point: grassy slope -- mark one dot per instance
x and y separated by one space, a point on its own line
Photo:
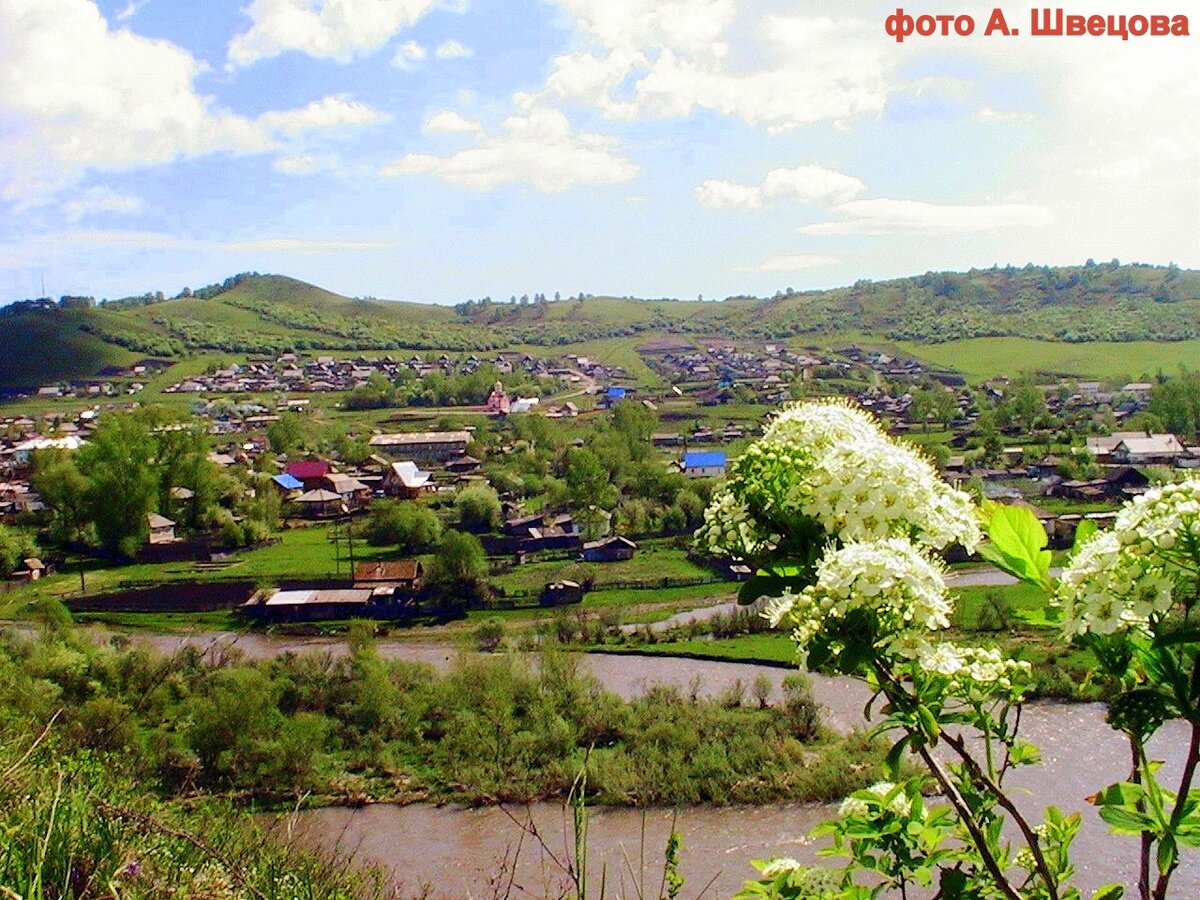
45 348
982 358
276 311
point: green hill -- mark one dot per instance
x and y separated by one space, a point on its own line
941 315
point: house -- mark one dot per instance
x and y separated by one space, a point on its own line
433 446
402 576
609 549
405 480
1118 483
463 465
310 472
312 606
704 464
352 491
561 593
162 529
288 484
1160 449
30 570
320 503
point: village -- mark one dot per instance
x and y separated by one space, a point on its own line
1059 447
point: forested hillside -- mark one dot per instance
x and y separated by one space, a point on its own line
253 313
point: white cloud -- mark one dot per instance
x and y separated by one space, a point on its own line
100 199
797 263
452 50
328 29
539 149
447 121
805 184
76 96
131 10
305 164
883 216
321 115
672 59
408 55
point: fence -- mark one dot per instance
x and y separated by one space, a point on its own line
639 584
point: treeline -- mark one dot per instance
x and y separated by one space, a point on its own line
439 389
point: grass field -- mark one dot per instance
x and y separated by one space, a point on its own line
983 358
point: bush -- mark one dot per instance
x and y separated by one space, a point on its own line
410 527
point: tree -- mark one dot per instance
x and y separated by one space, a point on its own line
123 483
457 571
63 490
1176 403
478 508
288 434
14 547
411 527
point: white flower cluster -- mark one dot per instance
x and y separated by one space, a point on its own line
1161 519
857 806
1121 579
729 529
1111 586
971 671
832 463
891 577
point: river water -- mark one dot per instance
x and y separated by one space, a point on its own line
457 850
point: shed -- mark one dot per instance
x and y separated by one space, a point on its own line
319 503
162 529
610 549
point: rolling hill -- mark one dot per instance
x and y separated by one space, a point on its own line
1078 316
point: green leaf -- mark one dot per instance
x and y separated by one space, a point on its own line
1124 821
895 757
1018 543
1168 855
1110 892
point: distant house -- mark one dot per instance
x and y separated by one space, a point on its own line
1160 449
311 606
610 549
403 576
434 446
704 464
1118 483
310 472
561 593
463 465
288 484
352 491
317 504
405 480
162 529
611 396
30 570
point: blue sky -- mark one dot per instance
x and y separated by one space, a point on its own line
444 149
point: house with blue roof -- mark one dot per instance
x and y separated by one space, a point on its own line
704 463
288 483
611 396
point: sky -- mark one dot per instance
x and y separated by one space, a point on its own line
441 150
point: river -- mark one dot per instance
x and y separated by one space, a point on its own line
456 850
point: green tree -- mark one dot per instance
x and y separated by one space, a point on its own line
288 434
123 484
63 489
14 547
411 527
1176 403
477 508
